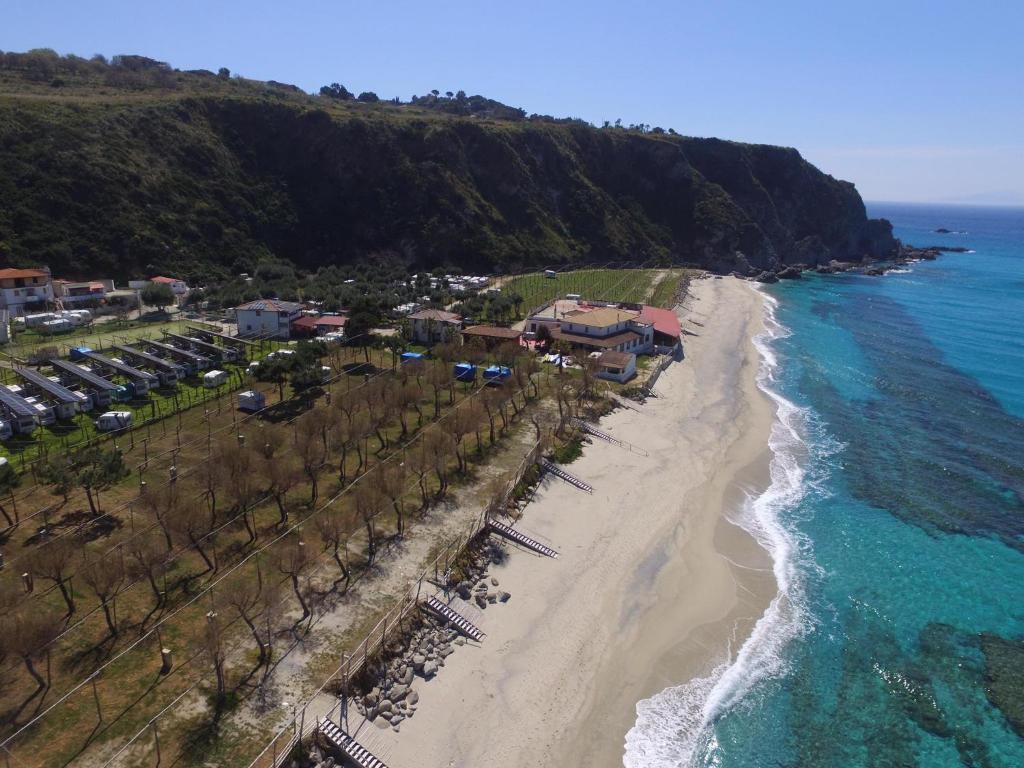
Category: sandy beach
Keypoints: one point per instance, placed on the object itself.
(653, 585)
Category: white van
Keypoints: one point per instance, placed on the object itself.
(112, 420)
(214, 378)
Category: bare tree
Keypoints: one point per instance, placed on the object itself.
(191, 522)
(438, 377)
(420, 461)
(293, 559)
(215, 651)
(160, 502)
(280, 470)
(241, 480)
(148, 559)
(244, 594)
(53, 561)
(335, 526)
(27, 634)
(393, 482)
(105, 576)
(442, 447)
(309, 451)
(370, 502)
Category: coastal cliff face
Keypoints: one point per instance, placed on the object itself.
(204, 185)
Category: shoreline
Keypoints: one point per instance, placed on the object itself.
(627, 610)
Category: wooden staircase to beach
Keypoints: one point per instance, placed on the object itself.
(590, 429)
(557, 471)
(520, 538)
(456, 619)
(348, 746)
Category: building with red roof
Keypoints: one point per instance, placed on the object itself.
(667, 333)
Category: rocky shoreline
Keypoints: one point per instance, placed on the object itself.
(907, 254)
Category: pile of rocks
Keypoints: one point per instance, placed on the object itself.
(421, 654)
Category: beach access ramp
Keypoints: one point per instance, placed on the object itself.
(456, 619)
(520, 538)
(557, 471)
(590, 429)
(348, 746)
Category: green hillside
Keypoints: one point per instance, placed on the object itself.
(131, 167)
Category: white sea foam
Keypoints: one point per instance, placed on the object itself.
(676, 726)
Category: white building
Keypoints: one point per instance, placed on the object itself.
(431, 326)
(25, 290)
(86, 292)
(595, 327)
(616, 366)
(267, 318)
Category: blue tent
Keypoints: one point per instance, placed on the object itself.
(497, 373)
(464, 372)
(408, 357)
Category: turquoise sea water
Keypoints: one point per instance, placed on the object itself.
(896, 520)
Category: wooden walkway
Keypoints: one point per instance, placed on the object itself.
(348, 746)
(460, 622)
(590, 429)
(557, 471)
(520, 538)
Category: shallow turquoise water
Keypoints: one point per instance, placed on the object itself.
(897, 519)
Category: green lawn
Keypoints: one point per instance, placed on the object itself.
(632, 285)
(98, 337)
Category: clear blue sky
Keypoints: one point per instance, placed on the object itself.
(910, 100)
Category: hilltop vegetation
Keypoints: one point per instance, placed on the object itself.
(129, 167)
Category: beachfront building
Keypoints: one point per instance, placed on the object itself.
(490, 335)
(616, 366)
(607, 326)
(267, 318)
(432, 326)
(23, 291)
(319, 325)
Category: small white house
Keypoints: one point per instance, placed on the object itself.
(267, 318)
(616, 366)
(111, 420)
(214, 378)
(430, 326)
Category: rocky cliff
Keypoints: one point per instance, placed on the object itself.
(201, 185)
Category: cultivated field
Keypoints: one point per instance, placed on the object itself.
(651, 286)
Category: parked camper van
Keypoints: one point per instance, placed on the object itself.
(251, 401)
(214, 378)
(112, 420)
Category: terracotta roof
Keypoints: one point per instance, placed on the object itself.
(436, 314)
(306, 321)
(665, 320)
(162, 279)
(491, 331)
(336, 321)
(601, 342)
(271, 305)
(611, 359)
(10, 274)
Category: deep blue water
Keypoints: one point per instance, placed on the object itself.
(896, 516)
